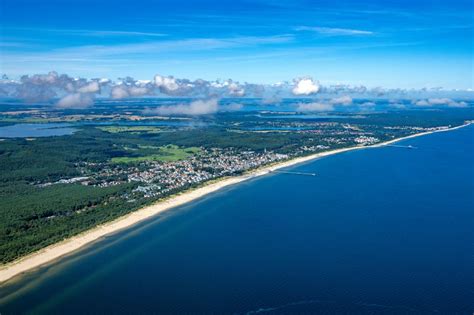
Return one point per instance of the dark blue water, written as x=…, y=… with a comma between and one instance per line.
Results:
x=378, y=231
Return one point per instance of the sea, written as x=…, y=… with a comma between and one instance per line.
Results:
x=385, y=230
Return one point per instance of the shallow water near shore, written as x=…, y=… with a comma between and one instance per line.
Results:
x=382, y=230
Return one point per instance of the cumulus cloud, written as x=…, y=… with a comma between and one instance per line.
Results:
x=138, y=91
x=166, y=84
x=439, y=102
x=119, y=91
x=45, y=87
x=76, y=100
x=92, y=87
x=446, y=101
x=38, y=87
x=124, y=91
x=52, y=86
x=344, y=88
x=169, y=85
x=236, y=90
x=305, y=86
x=199, y=107
x=255, y=90
x=345, y=100
x=324, y=106
x=315, y=107
x=38, y=79
x=422, y=103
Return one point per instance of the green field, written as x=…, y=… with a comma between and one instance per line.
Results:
x=130, y=129
x=25, y=120
x=167, y=153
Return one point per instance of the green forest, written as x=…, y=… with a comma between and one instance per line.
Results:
x=33, y=216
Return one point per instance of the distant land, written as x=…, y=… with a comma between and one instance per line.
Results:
x=92, y=169
x=286, y=242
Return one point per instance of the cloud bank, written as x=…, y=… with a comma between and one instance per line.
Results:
x=325, y=105
x=439, y=102
x=76, y=100
x=314, y=107
x=65, y=91
x=198, y=107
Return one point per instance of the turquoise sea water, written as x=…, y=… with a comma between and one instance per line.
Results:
x=378, y=231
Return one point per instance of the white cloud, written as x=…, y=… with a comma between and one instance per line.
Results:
x=439, y=102
x=236, y=90
x=446, y=101
x=92, y=87
x=89, y=32
x=199, y=107
x=76, y=100
x=119, y=92
x=168, y=84
x=325, y=106
x=138, y=91
x=422, y=103
x=103, y=52
x=331, y=31
x=44, y=87
x=305, y=86
x=315, y=107
x=50, y=78
x=345, y=100
x=120, y=33
x=143, y=82
x=47, y=87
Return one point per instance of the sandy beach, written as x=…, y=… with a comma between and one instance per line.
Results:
x=55, y=251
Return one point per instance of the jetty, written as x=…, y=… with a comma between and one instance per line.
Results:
x=400, y=146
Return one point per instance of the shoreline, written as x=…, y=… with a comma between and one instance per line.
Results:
x=70, y=245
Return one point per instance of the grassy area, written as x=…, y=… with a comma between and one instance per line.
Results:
x=131, y=129
x=167, y=153
x=25, y=120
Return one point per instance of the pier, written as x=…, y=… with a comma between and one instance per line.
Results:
x=294, y=173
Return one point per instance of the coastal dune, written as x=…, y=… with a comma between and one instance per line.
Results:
x=67, y=246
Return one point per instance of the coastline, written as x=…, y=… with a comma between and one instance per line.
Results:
x=67, y=246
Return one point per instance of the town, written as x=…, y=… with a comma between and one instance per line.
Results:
x=158, y=179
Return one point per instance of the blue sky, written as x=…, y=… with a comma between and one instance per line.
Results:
x=394, y=44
